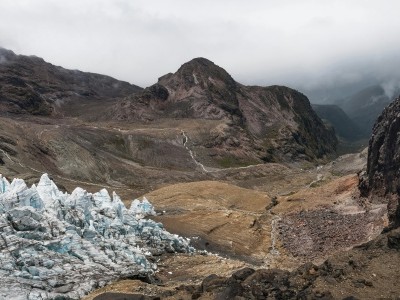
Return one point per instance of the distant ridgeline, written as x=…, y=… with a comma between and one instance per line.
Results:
x=336, y=117
x=354, y=116
x=365, y=106
x=59, y=244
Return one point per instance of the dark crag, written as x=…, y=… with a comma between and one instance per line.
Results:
x=381, y=182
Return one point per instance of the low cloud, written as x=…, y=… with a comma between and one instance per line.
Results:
x=3, y=58
x=391, y=88
x=324, y=49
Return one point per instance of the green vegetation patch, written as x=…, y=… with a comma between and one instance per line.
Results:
x=231, y=161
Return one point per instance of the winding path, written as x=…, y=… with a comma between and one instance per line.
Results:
x=186, y=139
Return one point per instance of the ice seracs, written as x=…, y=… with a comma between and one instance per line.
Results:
x=59, y=244
x=142, y=208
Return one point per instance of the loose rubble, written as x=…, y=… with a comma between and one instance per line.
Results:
x=313, y=234
x=55, y=244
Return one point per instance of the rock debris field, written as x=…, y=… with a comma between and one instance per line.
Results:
x=309, y=234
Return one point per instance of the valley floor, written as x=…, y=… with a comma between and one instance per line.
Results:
x=256, y=215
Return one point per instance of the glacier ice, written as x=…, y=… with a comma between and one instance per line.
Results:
x=56, y=244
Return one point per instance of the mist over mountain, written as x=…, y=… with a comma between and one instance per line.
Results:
x=336, y=117
x=363, y=106
x=345, y=78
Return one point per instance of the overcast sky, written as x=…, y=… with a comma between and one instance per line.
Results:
x=313, y=45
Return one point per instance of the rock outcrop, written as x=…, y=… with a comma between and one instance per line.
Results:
x=54, y=244
x=268, y=123
x=369, y=271
x=382, y=179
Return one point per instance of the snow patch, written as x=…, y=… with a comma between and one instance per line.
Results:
x=195, y=79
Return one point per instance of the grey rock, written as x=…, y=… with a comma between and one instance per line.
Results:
x=382, y=179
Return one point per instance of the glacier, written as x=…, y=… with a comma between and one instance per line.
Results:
x=55, y=245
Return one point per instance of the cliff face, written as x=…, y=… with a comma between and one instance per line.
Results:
x=382, y=179
x=270, y=123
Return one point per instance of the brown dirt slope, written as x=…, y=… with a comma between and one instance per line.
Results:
x=308, y=225
x=216, y=216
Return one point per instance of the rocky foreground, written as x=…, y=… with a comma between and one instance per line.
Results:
x=60, y=245
x=369, y=271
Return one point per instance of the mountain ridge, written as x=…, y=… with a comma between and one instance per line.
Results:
x=138, y=139
x=30, y=85
x=272, y=117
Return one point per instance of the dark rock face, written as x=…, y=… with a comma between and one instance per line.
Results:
x=269, y=123
x=382, y=179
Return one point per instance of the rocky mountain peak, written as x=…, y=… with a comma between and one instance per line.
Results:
x=200, y=72
x=267, y=123
x=202, y=66
x=199, y=61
